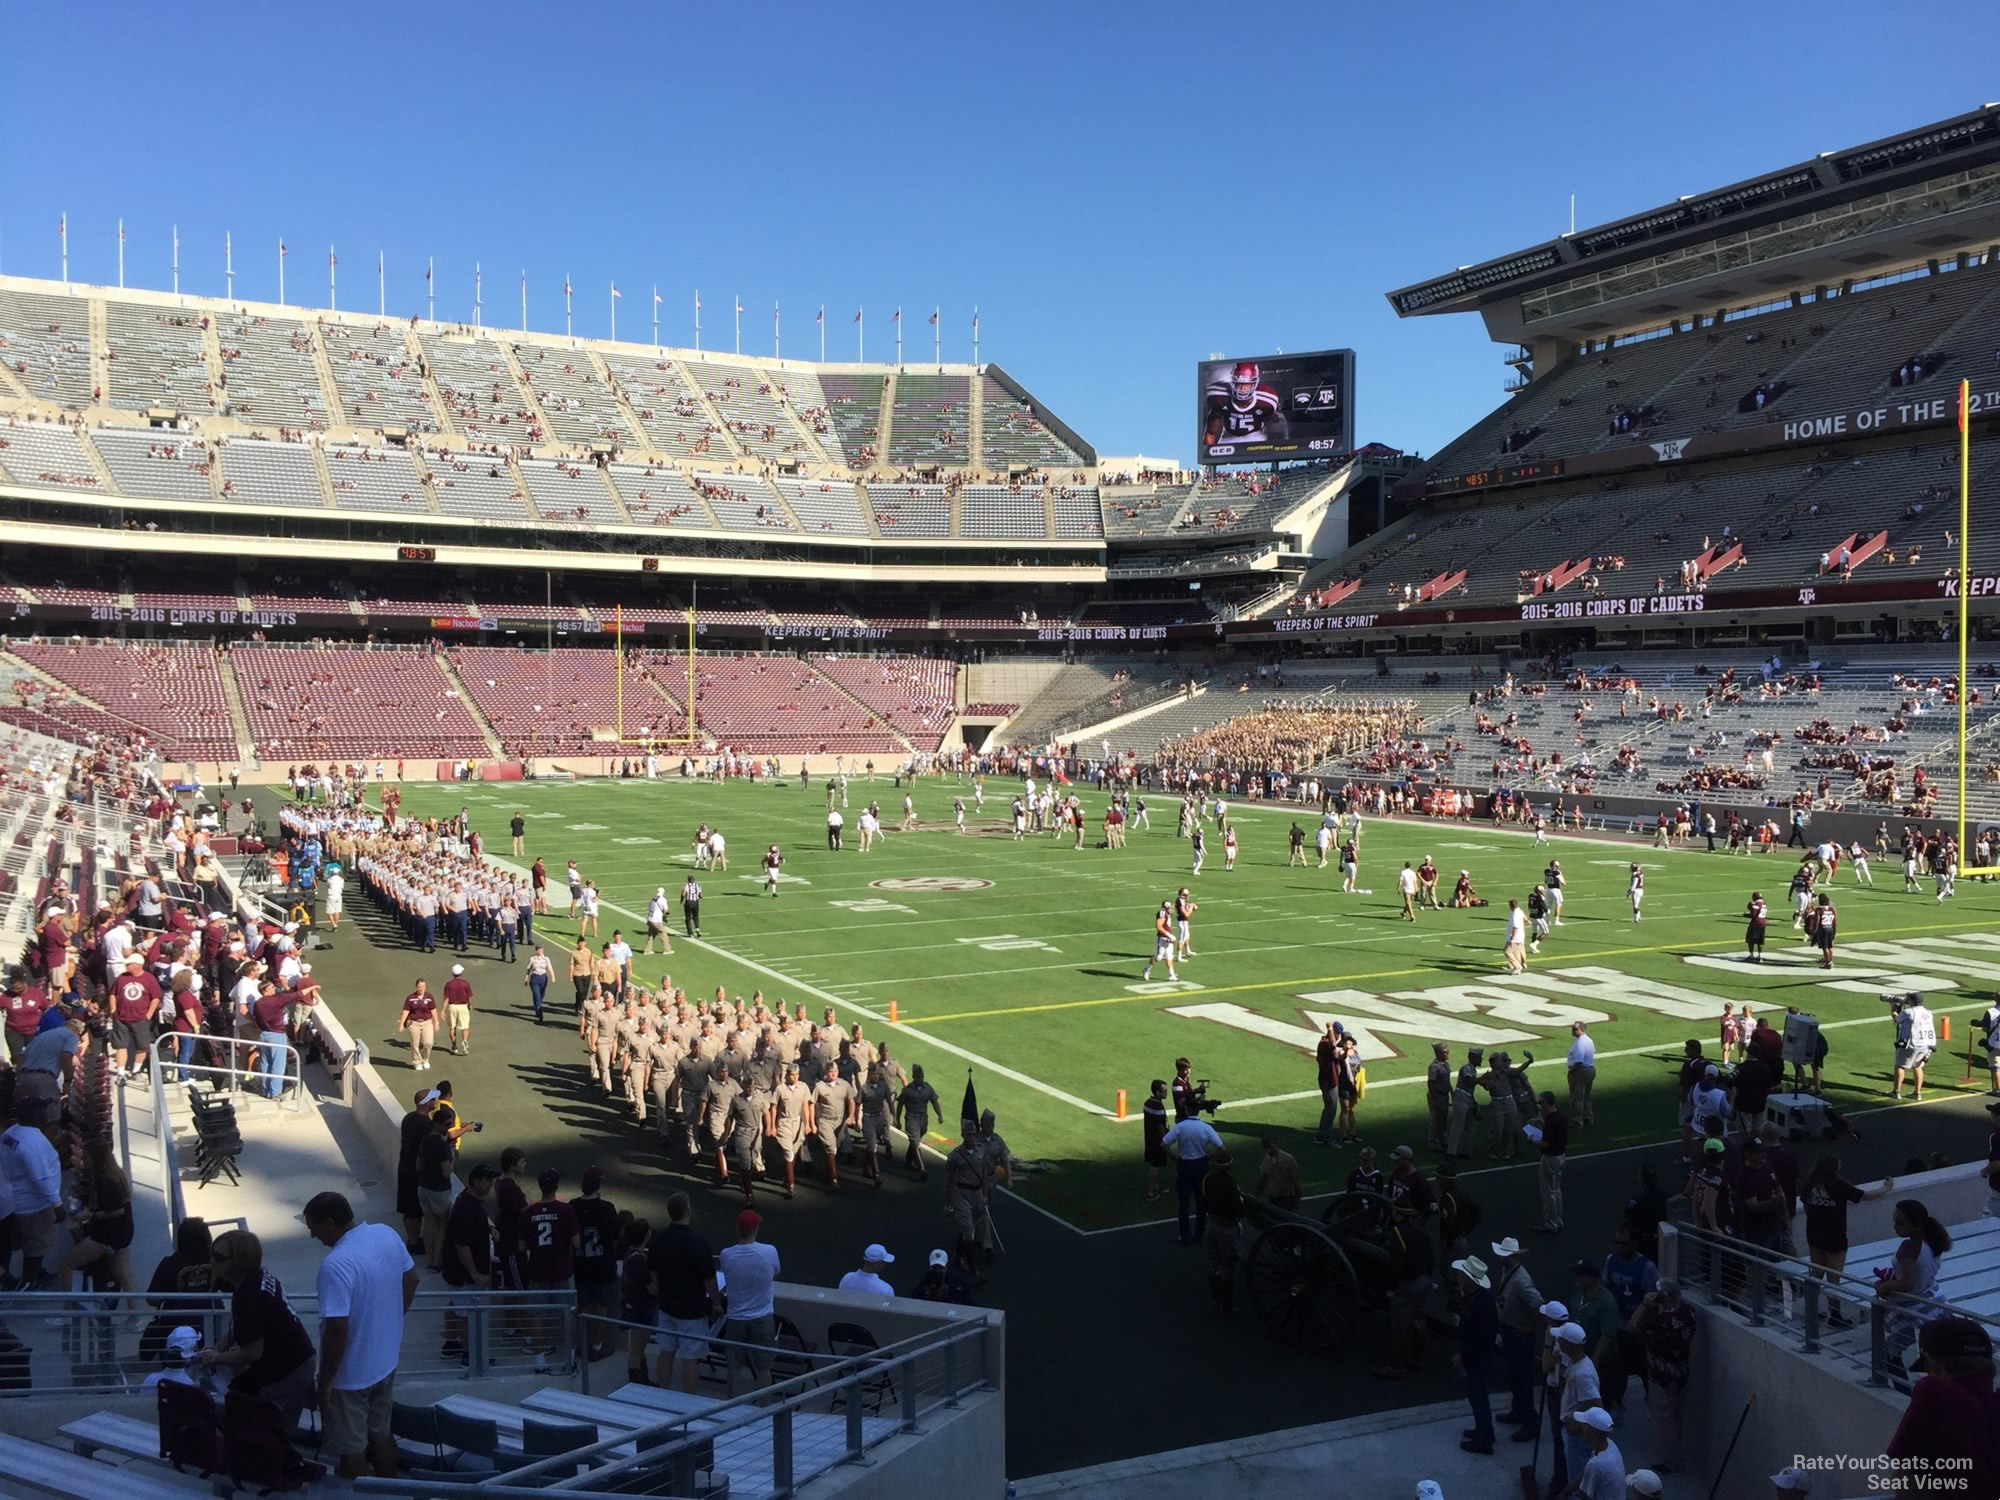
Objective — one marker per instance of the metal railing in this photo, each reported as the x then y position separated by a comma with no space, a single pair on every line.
764,1443
1831,1314
98,1341
236,1076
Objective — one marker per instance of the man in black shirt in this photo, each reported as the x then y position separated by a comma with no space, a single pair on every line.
435,1155
518,827
941,1283
468,1256
1223,1199
1328,1107
416,1128
1153,1119
596,1255
1478,1328
1555,1151
684,1270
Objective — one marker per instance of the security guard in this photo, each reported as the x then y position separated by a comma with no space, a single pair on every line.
966,1181
1437,1094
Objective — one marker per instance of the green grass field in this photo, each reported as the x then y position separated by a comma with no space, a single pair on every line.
1022,961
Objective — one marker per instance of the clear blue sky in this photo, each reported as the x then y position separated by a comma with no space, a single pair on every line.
1119,188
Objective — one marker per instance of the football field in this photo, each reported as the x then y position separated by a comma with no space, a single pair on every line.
1021,961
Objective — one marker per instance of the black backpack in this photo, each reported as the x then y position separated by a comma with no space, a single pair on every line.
190,1433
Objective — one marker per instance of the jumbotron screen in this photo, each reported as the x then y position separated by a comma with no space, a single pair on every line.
1279,406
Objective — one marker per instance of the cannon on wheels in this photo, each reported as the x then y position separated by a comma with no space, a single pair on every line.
1310,1281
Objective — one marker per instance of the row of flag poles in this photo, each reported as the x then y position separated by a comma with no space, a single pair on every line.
478,298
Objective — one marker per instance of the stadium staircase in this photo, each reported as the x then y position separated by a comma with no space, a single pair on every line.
325,476
977,437
530,398
425,477
10,384
615,500
100,346
457,683
211,354
239,716
26,668
615,388
886,422
329,388
441,411
527,496
97,464
874,719
720,423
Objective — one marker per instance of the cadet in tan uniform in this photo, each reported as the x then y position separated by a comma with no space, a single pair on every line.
716,1100
965,1184
790,1122
864,1050
662,1059
876,1100
892,1071
1437,1093
603,1040
694,1084
638,1055
832,1098
915,1104
746,1138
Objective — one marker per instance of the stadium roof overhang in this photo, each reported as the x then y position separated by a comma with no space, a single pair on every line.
1924,194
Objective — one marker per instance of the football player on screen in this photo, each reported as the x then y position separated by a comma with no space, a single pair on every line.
1239,408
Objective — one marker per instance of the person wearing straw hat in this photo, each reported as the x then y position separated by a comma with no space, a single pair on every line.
1478,1330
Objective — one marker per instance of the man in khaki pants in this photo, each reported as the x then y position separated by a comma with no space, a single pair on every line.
419,1019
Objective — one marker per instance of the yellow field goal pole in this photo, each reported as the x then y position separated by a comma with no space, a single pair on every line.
1965,850
693,587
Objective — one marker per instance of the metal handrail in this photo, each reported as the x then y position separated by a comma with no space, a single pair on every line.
1811,1288
292,1079
682,1443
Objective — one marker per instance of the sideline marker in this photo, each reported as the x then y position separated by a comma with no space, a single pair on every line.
1121,1104
892,1013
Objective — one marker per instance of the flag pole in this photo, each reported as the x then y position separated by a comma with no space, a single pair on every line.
228,267
121,254
430,289
899,338
62,228
774,332
619,626
568,328
937,336
822,333
177,260
332,287
381,284
860,336
656,316
614,312
478,295
739,325
281,273
697,320
975,336
694,591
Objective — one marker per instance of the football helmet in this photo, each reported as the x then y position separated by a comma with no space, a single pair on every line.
1243,386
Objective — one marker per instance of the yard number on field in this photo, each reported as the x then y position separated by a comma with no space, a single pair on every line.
1007,942
874,906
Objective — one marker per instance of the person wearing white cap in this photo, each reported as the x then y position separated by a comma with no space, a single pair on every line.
1644,1484
1601,1472
1429,1489
1578,1390
1790,1481
868,1279
180,1347
656,923
458,1011
941,1282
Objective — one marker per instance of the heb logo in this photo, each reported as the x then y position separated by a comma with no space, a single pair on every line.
932,883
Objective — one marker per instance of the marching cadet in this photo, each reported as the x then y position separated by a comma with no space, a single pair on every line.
746,1137
638,1054
999,1164
788,1119
915,1105
603,1040
716,1101
662,1062
832,1102
892,1071
1437,1094
694,1070
864,1051
965,1184
1464,1104
876,1100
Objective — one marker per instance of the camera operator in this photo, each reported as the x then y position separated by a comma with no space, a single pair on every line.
1186,1095
1191,1141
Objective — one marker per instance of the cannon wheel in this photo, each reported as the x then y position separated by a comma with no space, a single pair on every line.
1302,1285
1365,1216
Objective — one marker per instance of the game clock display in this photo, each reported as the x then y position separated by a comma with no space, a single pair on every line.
416,554
1274,407
1548,468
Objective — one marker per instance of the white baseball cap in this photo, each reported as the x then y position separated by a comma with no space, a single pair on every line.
1645,1482
1429,1489
1570,1333
183,1341
1594,1416
879,1254
1793,1479
940,1258
1554,1310
458,968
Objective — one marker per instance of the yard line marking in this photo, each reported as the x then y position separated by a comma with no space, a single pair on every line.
830,998
1532,1163
1353,979
1661,1049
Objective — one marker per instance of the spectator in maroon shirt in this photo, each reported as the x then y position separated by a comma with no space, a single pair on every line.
1950,1433
553,1240
468,1256
135,1000
510,1219
269,1011
24,1004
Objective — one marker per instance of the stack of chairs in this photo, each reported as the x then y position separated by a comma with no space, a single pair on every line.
217,1140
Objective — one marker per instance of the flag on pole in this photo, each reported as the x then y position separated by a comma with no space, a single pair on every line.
739,304
697,301
615,292
857,315
822,316
332,259
121,231
282,251
934,317
656,297
968,1112
427,271
896,316
566,288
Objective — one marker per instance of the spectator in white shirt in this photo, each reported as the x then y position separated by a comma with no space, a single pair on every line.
749,1273
1602,1476
869,1278
1582,1074
366,1284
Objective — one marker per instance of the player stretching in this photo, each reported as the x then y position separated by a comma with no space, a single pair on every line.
1229,849
1200,847
1636,891
1859,857
1163,942
773,861
1184,909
